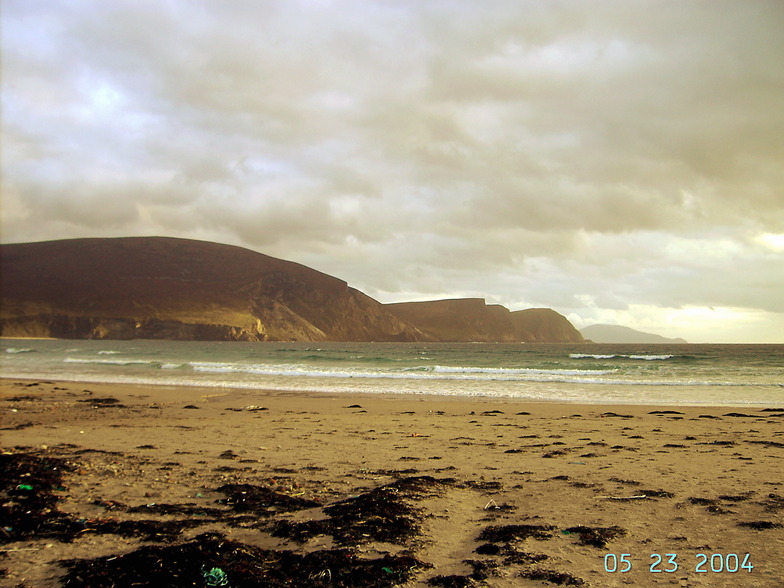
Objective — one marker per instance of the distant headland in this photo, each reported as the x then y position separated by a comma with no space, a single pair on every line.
182,289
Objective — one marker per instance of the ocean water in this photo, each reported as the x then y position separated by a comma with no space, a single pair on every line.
711,375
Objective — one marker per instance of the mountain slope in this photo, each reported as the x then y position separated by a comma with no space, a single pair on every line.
166,288
619,334
471,319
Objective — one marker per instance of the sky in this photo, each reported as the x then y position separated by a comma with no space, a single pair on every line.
621,162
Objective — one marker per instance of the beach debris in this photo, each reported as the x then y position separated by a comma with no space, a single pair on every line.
492,505
715,509
510,533
555,453
625,482
245,565
624,498
382,514
767,443
596,536
720,443
760,525
703,501
657,493
737,497
452,581
214,577
552,576
773,502
28,483
107,402
27,499
482,484
482,568
261,500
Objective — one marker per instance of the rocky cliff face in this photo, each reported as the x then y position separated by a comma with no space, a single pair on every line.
164,288
471,319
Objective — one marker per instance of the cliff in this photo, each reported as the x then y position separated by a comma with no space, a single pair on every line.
165,288
471,319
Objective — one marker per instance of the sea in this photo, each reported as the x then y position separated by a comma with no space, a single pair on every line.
692,374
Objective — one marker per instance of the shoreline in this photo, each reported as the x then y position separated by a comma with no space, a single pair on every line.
402,396
650,478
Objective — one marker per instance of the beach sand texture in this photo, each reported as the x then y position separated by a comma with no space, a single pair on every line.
204,486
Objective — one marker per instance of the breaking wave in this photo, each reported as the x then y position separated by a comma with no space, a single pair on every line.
620,356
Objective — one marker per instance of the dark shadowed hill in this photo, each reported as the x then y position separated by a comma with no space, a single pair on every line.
619,334
165,288
471,319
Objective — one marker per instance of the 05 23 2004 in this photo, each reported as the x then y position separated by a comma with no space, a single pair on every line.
701,563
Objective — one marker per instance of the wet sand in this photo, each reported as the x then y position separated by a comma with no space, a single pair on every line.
429,490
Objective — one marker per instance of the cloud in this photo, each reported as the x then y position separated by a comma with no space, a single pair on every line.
536,153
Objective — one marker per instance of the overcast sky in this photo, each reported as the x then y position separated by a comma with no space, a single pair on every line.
619,161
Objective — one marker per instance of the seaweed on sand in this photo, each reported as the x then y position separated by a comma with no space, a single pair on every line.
596,536
382,514
552,576
261,500
509,533
27,498
760,525
211,559
28,506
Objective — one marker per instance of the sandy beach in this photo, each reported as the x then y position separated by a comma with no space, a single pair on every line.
410,491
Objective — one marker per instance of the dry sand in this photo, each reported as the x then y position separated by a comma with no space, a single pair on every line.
646,480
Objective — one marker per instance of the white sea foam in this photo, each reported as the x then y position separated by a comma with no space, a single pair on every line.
19,350
108,352
515,371
619,355
421,373
110,361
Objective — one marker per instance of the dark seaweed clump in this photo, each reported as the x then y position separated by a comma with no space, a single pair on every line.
773,502
28,506
596,536
382,514
28,503
261,500
453,581
559,578
210,557
761,525
510,533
